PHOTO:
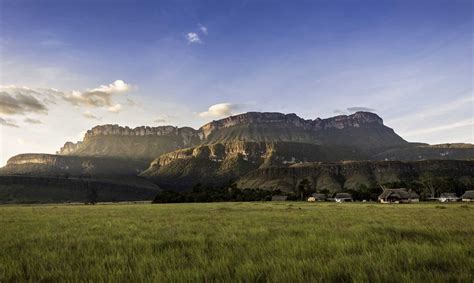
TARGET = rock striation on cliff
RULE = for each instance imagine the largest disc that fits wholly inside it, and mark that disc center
(140, 142)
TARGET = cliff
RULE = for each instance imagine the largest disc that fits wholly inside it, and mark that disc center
(362, 129)
(140, 142)
(34, 164)
(343, 176)
(150, 142)
(355, 120)
(223, 162)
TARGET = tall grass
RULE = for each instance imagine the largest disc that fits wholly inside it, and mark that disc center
(278, 242)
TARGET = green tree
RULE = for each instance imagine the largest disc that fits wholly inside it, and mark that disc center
(303, 188)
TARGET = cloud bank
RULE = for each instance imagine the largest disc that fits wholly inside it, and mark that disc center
(20, 101)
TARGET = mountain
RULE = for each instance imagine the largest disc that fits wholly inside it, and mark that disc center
(239, 144)
(43, 178)
(228, 150)
(138, 143)
(362, 129)
(351, 175)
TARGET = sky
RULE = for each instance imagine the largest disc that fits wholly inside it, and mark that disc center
(66, 66)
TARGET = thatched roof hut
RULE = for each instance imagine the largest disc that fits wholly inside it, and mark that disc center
(279, 198)
(400, 195)
(468, 196)
(342, 197)
(319, 197)
(447, 197)
(414, 197)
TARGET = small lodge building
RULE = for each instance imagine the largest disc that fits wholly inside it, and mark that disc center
(414, 197)
(319, 197)
(468, 196)
(343, 197)
(279, 198)
(398, 196)
(448, 197)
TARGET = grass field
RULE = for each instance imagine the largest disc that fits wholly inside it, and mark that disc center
(279, 242)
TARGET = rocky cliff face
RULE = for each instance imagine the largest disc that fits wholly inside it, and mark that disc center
(223, 162)
(141, 142)
(343, 176)
(355, 120)
(150, 142)
(32, 164)
(104, 130)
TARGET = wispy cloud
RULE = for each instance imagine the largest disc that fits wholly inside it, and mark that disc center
(437, 110)
(22, 100)
(193, 37)
(115, 109)
(353, 109)
(15, 100)
(8, 123)
(89, 115)
(32, 121)
(360, 108)
(203, 29)
(163, 118)
(447, 127)
(98, 97)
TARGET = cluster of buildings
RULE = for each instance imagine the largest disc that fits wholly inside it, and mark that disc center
(400, 195)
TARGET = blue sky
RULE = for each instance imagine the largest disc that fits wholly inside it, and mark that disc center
(409, 61)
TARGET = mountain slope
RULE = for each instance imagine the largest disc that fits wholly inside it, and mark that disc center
(225, 150)
(342, 176)
(138, 143)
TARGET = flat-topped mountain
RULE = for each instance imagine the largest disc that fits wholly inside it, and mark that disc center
(140, 142)
(362, 129)
(228, 149)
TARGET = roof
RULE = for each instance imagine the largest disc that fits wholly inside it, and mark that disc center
(448, 195)
(343, 195)
(319, 196)
(279, 198)
(413, 194)
(468, 194)
(397, 193)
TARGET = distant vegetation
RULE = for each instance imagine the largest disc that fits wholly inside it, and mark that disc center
(238, 242)
(427, 187)
(202, 193)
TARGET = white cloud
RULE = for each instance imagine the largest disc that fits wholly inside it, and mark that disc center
(115, 109)
(21, 100)
(219, 110)
(118, 86)
(89, 115)
(193, 37)
(203, 29)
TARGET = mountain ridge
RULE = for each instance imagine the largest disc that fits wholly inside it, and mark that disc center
(228, 150)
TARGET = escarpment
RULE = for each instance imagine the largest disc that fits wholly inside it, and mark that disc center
(343, 176)
(277, 146)
(141, 142)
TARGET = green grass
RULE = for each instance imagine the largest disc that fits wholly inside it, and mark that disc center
(278, 242)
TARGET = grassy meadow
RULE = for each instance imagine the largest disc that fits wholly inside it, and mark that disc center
(260, 241)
